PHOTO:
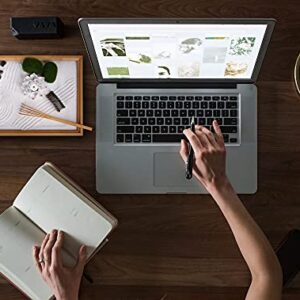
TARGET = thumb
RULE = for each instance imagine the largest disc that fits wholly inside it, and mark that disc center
(82, 256)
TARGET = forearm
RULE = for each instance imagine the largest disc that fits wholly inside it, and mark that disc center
(251, 241)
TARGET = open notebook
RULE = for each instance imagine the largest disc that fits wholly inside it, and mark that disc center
(50, 200)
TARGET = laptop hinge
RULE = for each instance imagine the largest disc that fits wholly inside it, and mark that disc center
(175, 85)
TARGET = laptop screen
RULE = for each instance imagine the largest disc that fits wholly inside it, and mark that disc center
(180, 51)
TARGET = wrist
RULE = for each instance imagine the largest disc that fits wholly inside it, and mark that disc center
(219, 185)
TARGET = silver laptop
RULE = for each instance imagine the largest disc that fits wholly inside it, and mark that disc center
(153, 76)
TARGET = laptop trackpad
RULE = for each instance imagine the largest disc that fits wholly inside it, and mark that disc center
(169, 170)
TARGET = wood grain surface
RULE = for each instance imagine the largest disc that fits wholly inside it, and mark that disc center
(169, 246)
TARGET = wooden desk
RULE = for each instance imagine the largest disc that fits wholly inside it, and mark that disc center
(178, 246)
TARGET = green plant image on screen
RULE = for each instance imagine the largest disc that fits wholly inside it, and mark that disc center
(118, 71)
(241, 46)
(113, 47)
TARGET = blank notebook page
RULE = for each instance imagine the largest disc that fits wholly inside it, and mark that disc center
(51, 205)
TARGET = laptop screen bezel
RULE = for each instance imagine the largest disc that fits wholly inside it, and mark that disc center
(84, 28)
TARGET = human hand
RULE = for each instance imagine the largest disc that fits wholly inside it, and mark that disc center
(63, 281)
(209, 155)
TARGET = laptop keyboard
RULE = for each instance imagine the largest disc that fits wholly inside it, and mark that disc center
(162, 118)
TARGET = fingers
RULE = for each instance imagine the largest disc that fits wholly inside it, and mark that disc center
(184, 150)
(56, 250)
(48, 247)
(193, 139)
(219, 135)
(45, 241)
(82, 257)
(35, 253)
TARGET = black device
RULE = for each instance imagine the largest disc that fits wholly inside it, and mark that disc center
(190, 160)
(288, 254)
(36, 27)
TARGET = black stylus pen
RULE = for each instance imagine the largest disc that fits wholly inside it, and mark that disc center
(190, 160)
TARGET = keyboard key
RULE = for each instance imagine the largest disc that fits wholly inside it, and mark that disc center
(231, 105)
(160, 121)
(179, 104)
(172, 129)
(128, 98)
(187, 104)
(216, 113)
(137, 97)
(198, 98)
(230, 121)
(221, 105)
(128, 138)
(149, 113)
(158, 113)
(207, 98)
(155, 129)
(167, 138)
(185, 121)
(209, 121)
(120, 138)
(162, 104)
(166, 113)
(146, 138)
(128, 105)
(132, 113)
(168, 121)
(180, 129)
(196, 104)
(143, 121)
(145, 105)
(120, 97)
(219, 120)
(164, 129)
(174, 113)
(137, 104)
(146, 97)
(181, 97)
(228, 129)
(122, 113)
(136, 138)
(225, 98)
(212, 105)
(233, 98)
(216, 98)
(141, 113)
(192, 113)
(170, 105)
(120, 104)
(123, 121)
(155, 98)
(134, 121)
(172, 98)
(147, 129)
(125, 129)
(151, 121)
(233, 113)
(163, 97)
(233, 140)
(139, 129)
(183, 113)
(208, 113)
(201, 121)
(225, 113)
(200, 113)
(190, 98)
(204, 105)
(226, 138)
(153, 105)
(176, 121)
